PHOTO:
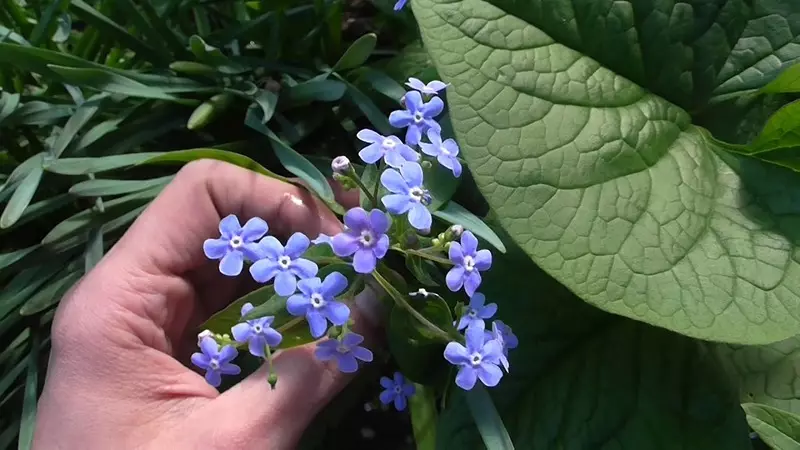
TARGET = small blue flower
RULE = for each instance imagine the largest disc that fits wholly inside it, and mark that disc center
(476, 313)
(364, 237)
(431, 88)
(322, 239)
(258, 333)
(445, 152)
(502, 334)
(345, 351)
(468, 263)
(477, 361)
(317, 302)
(283, 264)
(214, 361)
(408, 195)
(393, 151)
(397, 390)
(400, 4)
(418, 116)
(235, 243)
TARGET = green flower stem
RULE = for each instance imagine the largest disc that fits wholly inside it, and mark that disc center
(377, 185)
(357, 180)
(272, 377)
(423, 254)
(401, 301)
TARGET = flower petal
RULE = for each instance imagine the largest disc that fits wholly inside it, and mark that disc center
(227, 354)
(475, 338)
(364, 261)
(304, 268)
(419, 217)
(397, 203)
(254, 229)
(415, 83)
(334, 284)
(347, 363)
(413, 134)
(477, 301)
(463, 322)
(379, 222)
(369, 136)
(362, 353)
(407, 152)
(483, 259)
(487, 311)
(322, 239)
(471, 282)
(345, 244)
(309, 285)
(215, 248)
(400, 119)
(316, 323)
(241, 332)
(409, 389)
(456, 253)
(399, 402)
(296, 245)
(264, 270)
(394, 182)
(451, 163)
(437, 85)
(413, 101)
(356, 219)
(271, 247)
(469, 242)
(352, 339)
(229, 226)
(380, 249)
(433, 108)
(200, 360)
(455, 278)
(387, 396)
(257, 346)
(326, 350)
(372, 153)
(285, 283)
(489, 374)
(337, 312)
(504, 362)
(451, 146)
(213, 378)
(272, 337)
(297, 304)
(230, 369)
(398, 379)
(429, 149)
(435, 138)
(456, 353)
(246, 308)
(412, 173)
(394, 159)
(387, 383)
(232, 263)
(252, 251)
(209, 347)
(466, 378)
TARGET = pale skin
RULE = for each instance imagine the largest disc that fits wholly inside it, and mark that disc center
(121, 338)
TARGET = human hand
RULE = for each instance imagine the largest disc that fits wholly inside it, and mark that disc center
(115, 378)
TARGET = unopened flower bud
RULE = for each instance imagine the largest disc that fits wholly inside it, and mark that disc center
(341, 164)
(456, 231)
(204, 334)
(426, 164)
(272, 379)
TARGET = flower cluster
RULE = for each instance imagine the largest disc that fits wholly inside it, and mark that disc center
(367, 237)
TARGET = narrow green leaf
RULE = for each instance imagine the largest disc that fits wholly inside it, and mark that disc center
(22, 170)
(371, 111)
(441, 184)
(63, 29)
(358, 53)
(30, 396)
(85, 166)
(370, 177)
(22, 198)
(311, 91)
(97, 132)
(11, 35)
(39, 209)
(213, 56)
(107, 187)
(38, 113)
(82, 116)
(422, 406)
(382, 83)
(24, 285)
(40, 31)
(9, 104)
(183, 156)
(456, 214)
(266, 100)
(108, 81)
(132, 13)
(49, 295)
(7, 259)
(107, 26)
(11, 376)
(94, 249)
(777, 428)
(488, 421)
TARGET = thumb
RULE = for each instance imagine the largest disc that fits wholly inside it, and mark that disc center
(276, 419)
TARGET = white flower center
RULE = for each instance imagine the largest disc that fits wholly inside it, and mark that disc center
(418, 117)
(257, 329)
(472, 313)
(213, 364)
(341, 348)
(398, 389)
(417, 194)
(317, 301)
(475, 359)
(284, 262)
(388, 144)
(367, 238)
(469, 263)
(236, 242)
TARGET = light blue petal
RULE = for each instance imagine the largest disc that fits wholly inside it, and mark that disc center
(337, 312)
(412, 173)
(334, 284)
(347, 363)
(433, 108)
(254, 229)
(316, 323)
(229, 226)
(419, 217)
(264, 270)
(271, 247)
(415, 83)
(213, 378)
(364, 261)
(215, 248)
(304, 268)
(413, 101)
(296, 245)
(394, 159)
(466, 378)
(246, 308)
(413, 134)
(298, 305)
(429, 149)
(241, 332)
(232, 263)
(399, 402)
(371, 153)
(470, 243)
(345, 244)
(285, 283)
(490, 374)
(456, 354)
(386, 396)
(392, 180)
(369, 136)
(401, 119)
(455, 278)
(397, 203)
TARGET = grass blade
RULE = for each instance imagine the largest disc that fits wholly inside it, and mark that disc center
(456, 214)
(49, 295)
(85, 166)
(107, 187)
(107, 81)
(488, 421)
(82, 116)
(422, 406)
(358, 53)
(22, 198)
(42, 28)
(144, 26)
(28, 420)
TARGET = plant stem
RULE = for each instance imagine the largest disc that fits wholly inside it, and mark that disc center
(364, 189)
(426, 255)
(377, 185)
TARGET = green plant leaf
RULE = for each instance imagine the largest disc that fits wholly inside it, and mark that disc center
(606, 185)
(8, 105)
(108, 81)
(456, 214)
(441, 183)
(48, 15)
(85, 166)
(82, 116)
(183, 156)
(788, 81)
(63, 28)
(358, 53)
(376, 117)
(38, 113)
(106, 187)
(778, 429)
(313, 91)
(782, 130)
(585, 379)
(50, 294)
(490, 425)
(22, 198)
(7, 259)
(422, 407)
(30, 395)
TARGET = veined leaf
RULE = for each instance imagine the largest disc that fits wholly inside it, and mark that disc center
(778, 429)
(787, 81)
(609, 187)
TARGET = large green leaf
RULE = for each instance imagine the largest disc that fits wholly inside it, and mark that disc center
(779, 429)
(585, 379)
(609, 187)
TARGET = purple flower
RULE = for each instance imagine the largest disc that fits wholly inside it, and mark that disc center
(322, 239)
(502, 334)
(468, 262)
(364, 237)
(478, 360)
(418, 116)
(214, 361)
(393, 151)
(344, 351)
(235, 243)
(408, 195)
(400, 4)
(476, 312)
(318, 304)
(431, 88)
(445, 152)
(258, 333)
(397, 390)
(284, 264)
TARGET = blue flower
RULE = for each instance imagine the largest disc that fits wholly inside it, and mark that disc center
(418, 116)
(502, 334)
(400, 4)
(258, 333)
(322, 239)
(364, 237)
(317, 302)
(431, 88)
(477, 361)
(393, 151)
(408, 195)
(397, 390)
(476, 312)
(283, 264)
(468, 262)
(344, 351)
(445, 152)
(235, 244)
(214, 361)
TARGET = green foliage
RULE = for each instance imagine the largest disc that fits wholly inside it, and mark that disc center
(779, 429)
